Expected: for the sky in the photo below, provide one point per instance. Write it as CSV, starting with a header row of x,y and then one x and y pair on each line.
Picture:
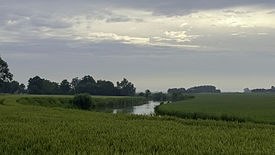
x,y
155,44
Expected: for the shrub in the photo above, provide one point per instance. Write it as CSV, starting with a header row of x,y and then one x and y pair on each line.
x,y
83,101
2,101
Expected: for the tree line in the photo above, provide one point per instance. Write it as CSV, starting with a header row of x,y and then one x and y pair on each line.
x,y
7,84
87,84
260,90
193,90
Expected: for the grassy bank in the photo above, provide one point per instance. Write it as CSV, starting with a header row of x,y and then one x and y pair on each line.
x,y
229,107
66,101
44,130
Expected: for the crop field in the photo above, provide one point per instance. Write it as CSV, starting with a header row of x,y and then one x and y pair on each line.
x,y
29,129
231,107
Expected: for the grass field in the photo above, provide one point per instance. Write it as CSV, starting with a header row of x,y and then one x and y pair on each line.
x,y
28,129
236,107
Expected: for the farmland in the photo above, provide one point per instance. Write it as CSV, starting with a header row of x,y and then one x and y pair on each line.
x,y
231,107
33,129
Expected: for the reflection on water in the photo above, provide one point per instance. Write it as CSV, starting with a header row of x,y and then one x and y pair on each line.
x,y
145,109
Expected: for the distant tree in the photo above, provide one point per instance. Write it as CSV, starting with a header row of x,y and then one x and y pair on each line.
x,y
246,90
141,94
203,89
5,75
35,85
126,88
159,96
22,89
38,85
176,90
105,88
65,87
147,93
12,87
86,85
74,83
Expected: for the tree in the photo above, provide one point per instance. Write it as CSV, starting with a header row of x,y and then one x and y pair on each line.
x,y
65,87
74,83
22,89
38,85
105,88
5,75
12,87
147,93
35,85
86,85
126,88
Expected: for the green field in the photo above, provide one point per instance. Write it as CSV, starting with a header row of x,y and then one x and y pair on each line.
x,y
231,107
29,129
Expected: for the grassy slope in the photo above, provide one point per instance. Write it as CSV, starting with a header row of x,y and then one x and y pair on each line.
x,y
66,101
39,130
247,107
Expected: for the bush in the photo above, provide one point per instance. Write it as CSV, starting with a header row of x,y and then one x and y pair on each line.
x,y
2,101
83,101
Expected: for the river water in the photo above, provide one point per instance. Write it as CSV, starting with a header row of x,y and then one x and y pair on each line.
x,y
145,109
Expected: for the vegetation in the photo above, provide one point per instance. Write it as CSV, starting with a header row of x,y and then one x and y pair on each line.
x,y
230,107
271,90
198,89
160,96
87,84
43,130
7,85
67,101
83,101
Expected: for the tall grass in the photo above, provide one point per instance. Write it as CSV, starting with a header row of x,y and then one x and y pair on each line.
x,y
66,102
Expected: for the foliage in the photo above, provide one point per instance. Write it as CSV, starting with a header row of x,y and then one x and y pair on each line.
x,y
271,90
105,88
147,93
87,84
7,85
126,88
40,130
2,101
12,87
83,101
197,89
159,96
231,107
65,87
38,85
176,90
67,101
5,75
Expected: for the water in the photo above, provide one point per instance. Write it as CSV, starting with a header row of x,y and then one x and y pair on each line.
x,y
145,109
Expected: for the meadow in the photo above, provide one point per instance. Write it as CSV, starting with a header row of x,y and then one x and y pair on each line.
x,y
252,107
30,129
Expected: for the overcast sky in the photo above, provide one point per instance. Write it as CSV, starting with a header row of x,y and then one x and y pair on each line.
x,y
156,44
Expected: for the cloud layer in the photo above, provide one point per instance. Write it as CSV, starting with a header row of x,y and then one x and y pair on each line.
x,y
126,33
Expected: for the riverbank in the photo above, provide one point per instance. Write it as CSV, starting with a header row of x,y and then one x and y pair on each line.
x,y
66,101
29,129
